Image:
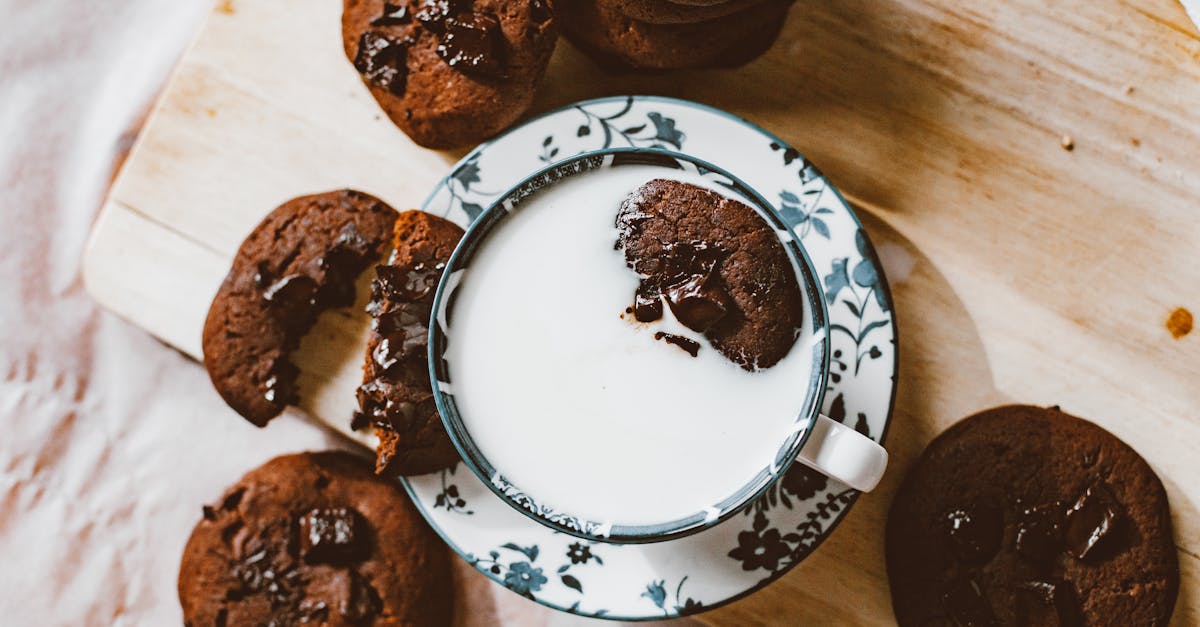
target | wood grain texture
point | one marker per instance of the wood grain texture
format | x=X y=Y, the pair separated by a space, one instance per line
x=1021 y=271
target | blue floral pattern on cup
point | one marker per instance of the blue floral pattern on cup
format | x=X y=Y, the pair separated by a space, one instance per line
x=790 y=520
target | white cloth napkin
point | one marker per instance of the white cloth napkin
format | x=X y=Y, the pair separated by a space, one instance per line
x=109 y=441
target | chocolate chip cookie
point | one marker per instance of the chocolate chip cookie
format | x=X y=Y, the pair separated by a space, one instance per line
x=717 y=264
x=450 y=73
x=314 y=538
x=396 y=397
x=1021 y=515
x=617 y=40
x=302 y=259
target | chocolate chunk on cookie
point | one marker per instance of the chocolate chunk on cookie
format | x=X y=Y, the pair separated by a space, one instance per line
x=619 y=41
x=302 y=259
x=314 y=538
x=666 y=12
x=396 y=397
x=1020 y=515
x=717 y=264
x=450 y=72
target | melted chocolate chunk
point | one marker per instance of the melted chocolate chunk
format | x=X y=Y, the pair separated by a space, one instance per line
x=966 y=606
x=691 y=284
x=697 y=302
x=375 y=399
x=410 y=343
x=294 y=291
x=975 y=533
x=1092 y=524
x=691 y=346
x=383 y=60
x=647 y=303
x=434 y=13
x=404 y=286
x=473 y=44
x=1049 y=603
x=332 y=536
x=1039 y=532
x=393 y=15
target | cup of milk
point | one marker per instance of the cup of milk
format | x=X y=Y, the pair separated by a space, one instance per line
x=572 y=414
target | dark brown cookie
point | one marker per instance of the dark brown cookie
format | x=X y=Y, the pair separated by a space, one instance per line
x=450 y=72
x=666 y=12
x=302 y=259
x=718 y=265
x=616 y=40
x=314 y=537
x=1021 y=515
x=396 y=397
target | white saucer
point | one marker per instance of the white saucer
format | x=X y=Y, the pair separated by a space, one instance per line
x=745 y=553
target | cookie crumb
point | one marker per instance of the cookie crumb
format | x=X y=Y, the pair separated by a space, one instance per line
x=1129 y=90
x=1135 y=141
x=1067 y=143
x=226 y=7
x=1179 y=323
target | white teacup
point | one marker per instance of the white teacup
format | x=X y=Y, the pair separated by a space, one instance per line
x=572 y=414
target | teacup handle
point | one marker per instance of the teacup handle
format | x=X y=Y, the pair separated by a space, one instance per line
x=841 y=453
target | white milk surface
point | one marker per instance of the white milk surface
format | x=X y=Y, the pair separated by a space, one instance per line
x=584 y=410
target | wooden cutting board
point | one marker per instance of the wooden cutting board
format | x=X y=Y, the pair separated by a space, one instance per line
x=1022 y=270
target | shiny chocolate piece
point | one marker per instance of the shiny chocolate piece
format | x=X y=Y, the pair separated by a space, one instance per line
x=698 y=302
x=410 y=343
x=332 y=536
x=434 y=13
x=406 y=285
x=408 y=318
x=1092 y=523
x=692 y=286
x=1049 y=603
x=292 y=301
x=692 y=347
x=383 y=61
x=647 y=303
x=1039 y=531
x=975 y=533
x=474 y=44
x=966 y=605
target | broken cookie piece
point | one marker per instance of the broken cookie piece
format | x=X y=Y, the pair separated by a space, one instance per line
x=717 y=264
x=396 y=398
x=302 y=259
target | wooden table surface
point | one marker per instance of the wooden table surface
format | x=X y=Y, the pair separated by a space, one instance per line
x=1022 y=271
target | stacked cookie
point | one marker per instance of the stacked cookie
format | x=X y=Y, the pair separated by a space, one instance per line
x=451 y=73
x=672 y=34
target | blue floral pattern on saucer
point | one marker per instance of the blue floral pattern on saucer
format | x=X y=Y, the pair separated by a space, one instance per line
x=792 y=518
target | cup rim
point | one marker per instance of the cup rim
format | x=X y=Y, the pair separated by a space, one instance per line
x=566 y=522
